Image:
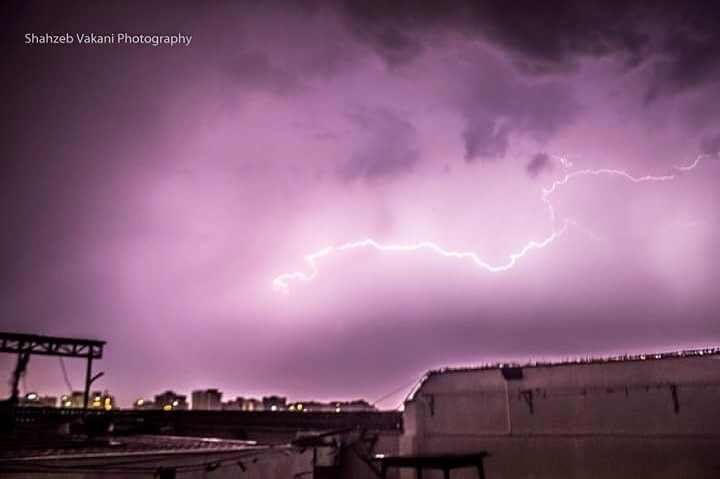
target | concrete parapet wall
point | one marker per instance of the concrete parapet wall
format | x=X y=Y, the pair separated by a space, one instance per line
x=654 y=418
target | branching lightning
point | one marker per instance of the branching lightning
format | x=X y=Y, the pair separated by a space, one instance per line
x=281 y=283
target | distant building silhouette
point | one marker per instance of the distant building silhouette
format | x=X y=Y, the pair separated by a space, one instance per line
x=274 y=403
x=33 y=399
x=144 y=404
x=243 y=404
x=97 y=400
x=207 y=400
x=358 y=405
x=73 y=400
x=170 y=400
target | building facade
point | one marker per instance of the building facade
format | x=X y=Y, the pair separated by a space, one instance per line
x=34 y=399
x=359 y=405
x=243 y=404
x=170 y=400
x=96 y=400
x=274 y=403
x=207 y=400
x=642 y=416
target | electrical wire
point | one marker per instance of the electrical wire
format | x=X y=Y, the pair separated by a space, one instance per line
x=396 y=391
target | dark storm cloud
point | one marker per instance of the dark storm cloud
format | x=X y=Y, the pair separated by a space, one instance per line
x=539 y=163
x=484 y=138
x=547 y=34
x=711 y=144
x=256 y=70
x=387 y=148
x=396 y=47
x=291 y=68
x=135 y=205
x=680 y=41
x=689 y=52
x=498 y=104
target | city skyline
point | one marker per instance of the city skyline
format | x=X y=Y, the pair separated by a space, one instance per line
x=170 y=399
x=325 y=200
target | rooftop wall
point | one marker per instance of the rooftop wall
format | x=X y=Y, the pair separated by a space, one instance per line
x=581 y=416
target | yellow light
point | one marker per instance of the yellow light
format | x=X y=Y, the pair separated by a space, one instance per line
x=300 y=406
x=32 y=396
x=140 y=402
x=108 y=407
x=292 y=407
x=175 y=403
x=167 y=407
x=68 y=403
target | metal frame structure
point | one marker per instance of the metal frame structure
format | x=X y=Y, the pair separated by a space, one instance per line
x=25 y=345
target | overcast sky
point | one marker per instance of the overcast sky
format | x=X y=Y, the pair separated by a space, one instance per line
x=149 y=196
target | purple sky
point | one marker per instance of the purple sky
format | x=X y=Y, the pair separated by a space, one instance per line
x=149 y=196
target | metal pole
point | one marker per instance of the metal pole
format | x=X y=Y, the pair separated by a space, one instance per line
x=88 y=374
x=507 y=407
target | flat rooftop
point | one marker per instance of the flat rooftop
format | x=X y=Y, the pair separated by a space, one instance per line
x=586 y=360
x=14 y=447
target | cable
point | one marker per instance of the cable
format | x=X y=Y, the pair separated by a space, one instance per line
x=395 y=391
x=65 y=375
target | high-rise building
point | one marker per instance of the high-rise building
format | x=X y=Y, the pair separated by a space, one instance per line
x=232 y=405
x=73 y=400
x=358 y=405
x=96 y=400
x=169 y=400
x=144 y=404
x=274 y=403
x=33 y=399
x=207 y=400
x=243 y=404
x=99 y=400
x=252 y=404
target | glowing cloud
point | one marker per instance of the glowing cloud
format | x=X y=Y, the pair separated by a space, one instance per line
x=281 y=283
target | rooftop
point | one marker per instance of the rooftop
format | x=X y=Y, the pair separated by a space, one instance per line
x=53 y=447
x=686 y=353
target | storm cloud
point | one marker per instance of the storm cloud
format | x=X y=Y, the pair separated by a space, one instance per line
x=387 y=150
x=540 y=163
x=150 y=196
x=676 y=40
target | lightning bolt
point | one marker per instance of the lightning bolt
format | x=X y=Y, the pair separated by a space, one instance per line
x=280 y=283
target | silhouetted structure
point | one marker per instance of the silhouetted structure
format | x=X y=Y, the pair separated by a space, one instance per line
x=170 y=400
x=33 y=399
x=649 y=415
x=207 y=400
x=25 y=345
x=274 y=403
x=243 y=404
x=358 y=405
